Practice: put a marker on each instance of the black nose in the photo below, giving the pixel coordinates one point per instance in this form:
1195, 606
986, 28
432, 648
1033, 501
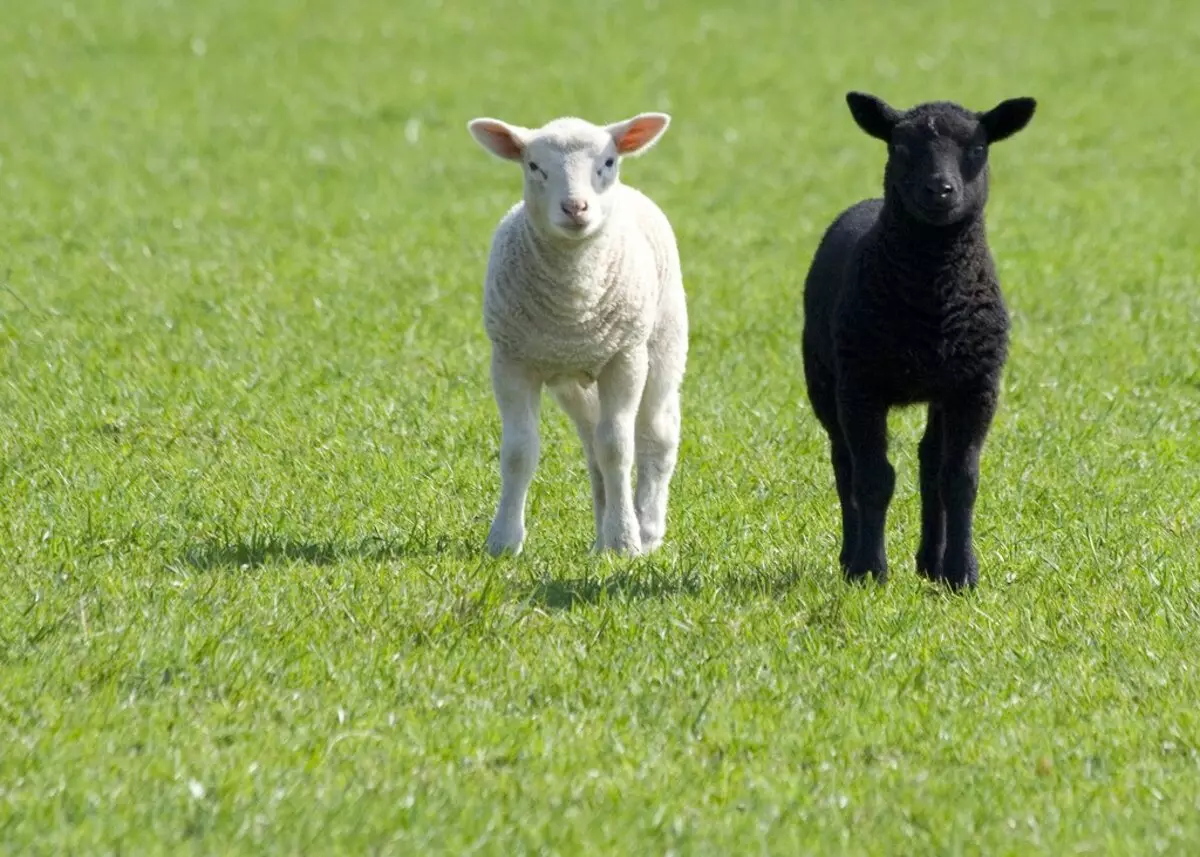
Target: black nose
939, 187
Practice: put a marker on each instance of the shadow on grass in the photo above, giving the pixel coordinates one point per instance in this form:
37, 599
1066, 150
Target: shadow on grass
566, 593
260, 549
563, 593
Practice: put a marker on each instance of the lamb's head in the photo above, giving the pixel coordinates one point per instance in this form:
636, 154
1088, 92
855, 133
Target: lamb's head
937, 152
570, 166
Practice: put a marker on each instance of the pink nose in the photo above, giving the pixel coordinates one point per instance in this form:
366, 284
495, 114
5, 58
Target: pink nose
575, 207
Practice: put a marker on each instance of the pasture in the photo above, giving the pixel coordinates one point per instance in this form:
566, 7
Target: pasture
248, 450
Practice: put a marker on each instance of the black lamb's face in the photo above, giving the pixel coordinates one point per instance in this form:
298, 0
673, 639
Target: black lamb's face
937, 165
937, 152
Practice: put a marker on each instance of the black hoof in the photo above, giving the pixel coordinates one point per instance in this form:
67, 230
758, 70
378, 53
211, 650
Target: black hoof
961, 575
861, 575
929, 563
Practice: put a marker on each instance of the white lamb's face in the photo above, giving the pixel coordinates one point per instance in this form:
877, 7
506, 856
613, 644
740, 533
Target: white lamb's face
569, 174
570, 166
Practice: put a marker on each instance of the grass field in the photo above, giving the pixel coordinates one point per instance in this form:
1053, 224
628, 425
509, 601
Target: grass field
249, 452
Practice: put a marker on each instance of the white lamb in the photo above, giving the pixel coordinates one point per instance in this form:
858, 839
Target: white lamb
584, 294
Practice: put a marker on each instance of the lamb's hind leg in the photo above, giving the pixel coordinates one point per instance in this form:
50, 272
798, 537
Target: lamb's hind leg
840, 455
658, 418
933, 510
821, 393
582, 405
967, 420
658, 425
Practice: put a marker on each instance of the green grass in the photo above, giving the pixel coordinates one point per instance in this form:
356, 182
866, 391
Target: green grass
248, 450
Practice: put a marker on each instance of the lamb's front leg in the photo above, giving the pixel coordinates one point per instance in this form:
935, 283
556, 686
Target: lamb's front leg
518, 396
864, 422
658, 424
966, 423
620, 386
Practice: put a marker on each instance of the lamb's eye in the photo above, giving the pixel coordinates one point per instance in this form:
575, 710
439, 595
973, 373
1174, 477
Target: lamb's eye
900, 150
975, 153
533, 168
609, 163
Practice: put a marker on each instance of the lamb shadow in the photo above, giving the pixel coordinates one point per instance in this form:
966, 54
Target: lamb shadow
260, 549
765, 582
567, 593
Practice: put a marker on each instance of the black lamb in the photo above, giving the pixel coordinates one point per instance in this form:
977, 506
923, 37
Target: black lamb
902, 305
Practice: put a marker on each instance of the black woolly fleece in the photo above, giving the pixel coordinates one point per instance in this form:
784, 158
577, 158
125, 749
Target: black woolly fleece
902, 305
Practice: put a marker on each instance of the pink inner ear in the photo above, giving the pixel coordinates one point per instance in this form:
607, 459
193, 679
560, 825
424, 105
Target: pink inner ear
502, 141
639, 133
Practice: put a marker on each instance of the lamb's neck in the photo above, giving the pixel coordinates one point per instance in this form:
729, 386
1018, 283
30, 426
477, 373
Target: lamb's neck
573, 273
916, 247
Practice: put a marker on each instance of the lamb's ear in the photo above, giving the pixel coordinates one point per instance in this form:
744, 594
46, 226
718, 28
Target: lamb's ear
501, 139
636, 135
1007, 118
873, 115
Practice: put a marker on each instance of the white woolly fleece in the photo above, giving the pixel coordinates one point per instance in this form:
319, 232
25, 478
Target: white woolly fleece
565, 308
600, 318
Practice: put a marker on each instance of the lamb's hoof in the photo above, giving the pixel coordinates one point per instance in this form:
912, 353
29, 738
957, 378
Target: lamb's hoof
929, 564
622, 545
846, 556
650, 541
624, 550
499, 549
858, 572
855, 577
620, 535
960, 574
503, 541
599, 548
